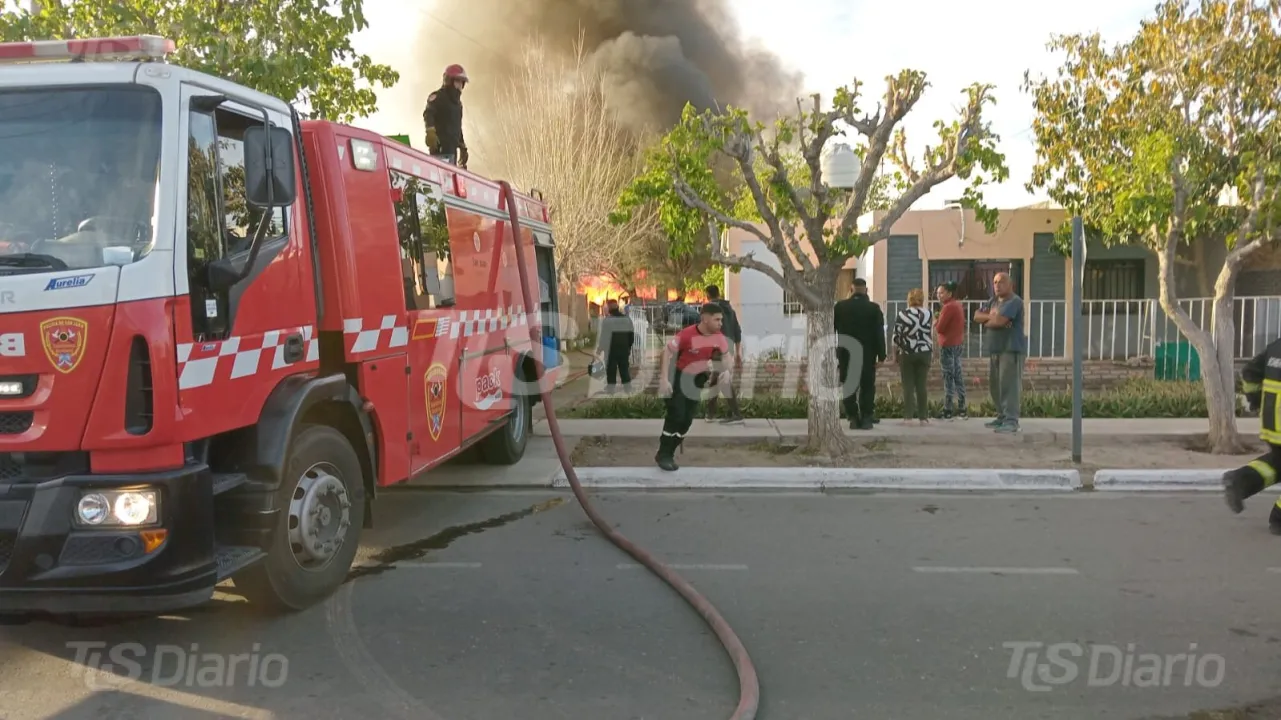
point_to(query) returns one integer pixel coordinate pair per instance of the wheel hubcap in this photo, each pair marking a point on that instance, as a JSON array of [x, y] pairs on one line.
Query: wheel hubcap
[[518, 419], [319, 515]]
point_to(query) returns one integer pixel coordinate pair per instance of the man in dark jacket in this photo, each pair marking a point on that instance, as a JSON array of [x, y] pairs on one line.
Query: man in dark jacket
[[733, 332], [444, 118], [614, 347], [858, 318]]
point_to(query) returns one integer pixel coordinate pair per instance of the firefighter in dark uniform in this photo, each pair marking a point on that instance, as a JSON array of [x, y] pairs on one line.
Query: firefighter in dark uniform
[[695, 359], [444, 118], [1261, 383]]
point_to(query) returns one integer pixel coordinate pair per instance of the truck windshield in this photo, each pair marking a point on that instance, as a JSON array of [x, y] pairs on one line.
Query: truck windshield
[[78, 170]]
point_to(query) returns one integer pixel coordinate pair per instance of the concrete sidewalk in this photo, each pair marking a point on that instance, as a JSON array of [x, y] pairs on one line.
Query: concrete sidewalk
[[1137, 430]]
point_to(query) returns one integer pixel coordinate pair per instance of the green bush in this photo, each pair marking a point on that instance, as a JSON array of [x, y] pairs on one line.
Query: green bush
[[1142, 398]]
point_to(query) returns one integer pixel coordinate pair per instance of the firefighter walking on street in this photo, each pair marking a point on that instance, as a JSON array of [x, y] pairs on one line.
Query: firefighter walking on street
[[1261, 382], [694, 359], [444, 118]]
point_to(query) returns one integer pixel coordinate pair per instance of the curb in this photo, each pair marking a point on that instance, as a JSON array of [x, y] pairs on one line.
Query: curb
[[820, 479], [1160, 480]]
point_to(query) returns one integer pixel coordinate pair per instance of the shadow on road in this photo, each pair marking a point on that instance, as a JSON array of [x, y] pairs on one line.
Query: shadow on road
[[1269, 709]]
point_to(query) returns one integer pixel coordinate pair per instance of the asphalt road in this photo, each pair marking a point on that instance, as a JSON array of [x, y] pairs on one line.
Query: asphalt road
[[480, 606]]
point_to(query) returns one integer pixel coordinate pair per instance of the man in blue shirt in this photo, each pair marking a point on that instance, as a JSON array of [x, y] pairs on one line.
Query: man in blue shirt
[[1007, 349]]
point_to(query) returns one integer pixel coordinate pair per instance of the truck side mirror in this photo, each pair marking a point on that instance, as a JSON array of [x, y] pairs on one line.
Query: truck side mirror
[[269, 179]]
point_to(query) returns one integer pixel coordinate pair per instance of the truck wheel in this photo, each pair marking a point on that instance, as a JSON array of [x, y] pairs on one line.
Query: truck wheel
[[507, 446], [322, 506]]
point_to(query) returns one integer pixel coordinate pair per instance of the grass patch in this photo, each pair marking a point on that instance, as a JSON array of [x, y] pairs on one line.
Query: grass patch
[[1138, 398]]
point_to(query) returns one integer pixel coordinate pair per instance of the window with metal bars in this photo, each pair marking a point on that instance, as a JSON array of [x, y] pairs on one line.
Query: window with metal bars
[[1106, 282], [974, 278], [791, 303]]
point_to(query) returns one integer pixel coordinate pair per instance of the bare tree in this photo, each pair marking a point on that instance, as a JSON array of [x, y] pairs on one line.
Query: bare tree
[[555, 132]]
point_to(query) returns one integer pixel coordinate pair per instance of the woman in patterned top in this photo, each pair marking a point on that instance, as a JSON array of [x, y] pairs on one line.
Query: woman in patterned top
[[913, 348]]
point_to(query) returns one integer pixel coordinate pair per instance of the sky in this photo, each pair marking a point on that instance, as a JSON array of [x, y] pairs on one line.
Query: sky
[[833, 41]]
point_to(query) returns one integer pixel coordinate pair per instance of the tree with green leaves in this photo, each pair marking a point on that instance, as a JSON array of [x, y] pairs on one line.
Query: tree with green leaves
[[811, 228], [297, 50], [1169, 139]]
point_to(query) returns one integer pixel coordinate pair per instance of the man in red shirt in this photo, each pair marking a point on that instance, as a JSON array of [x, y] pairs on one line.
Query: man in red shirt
[[694, 359], [951, 330]]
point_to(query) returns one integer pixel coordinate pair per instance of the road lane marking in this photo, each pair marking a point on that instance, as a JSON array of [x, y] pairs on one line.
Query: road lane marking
[[999, 570], [678, 566]]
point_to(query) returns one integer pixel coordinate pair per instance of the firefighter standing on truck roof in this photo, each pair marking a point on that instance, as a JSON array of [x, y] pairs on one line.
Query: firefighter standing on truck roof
[[694, 360], [1261, 381], [444, 118]]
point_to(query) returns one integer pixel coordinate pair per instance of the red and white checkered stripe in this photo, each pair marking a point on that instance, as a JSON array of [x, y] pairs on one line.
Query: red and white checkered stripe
[[390, 333], [483, 322], [152, 46], [199, 364]]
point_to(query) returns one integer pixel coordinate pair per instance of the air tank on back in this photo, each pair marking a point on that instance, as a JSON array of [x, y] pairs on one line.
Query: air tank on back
[[840, 166]]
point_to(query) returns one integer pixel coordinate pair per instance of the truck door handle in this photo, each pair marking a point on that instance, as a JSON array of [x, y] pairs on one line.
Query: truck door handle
[[293, 347]]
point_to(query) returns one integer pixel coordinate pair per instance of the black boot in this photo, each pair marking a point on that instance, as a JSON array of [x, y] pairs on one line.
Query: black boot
[[666, 455], [1274, 520], [1240, 484]]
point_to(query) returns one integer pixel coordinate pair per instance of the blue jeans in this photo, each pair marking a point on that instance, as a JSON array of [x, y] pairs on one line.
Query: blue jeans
[[953, 378]]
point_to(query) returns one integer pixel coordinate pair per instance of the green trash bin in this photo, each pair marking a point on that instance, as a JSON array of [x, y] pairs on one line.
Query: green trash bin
[[1177, 361]]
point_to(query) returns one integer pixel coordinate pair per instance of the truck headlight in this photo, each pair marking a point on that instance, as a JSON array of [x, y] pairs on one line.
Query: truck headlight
[[117, 508]]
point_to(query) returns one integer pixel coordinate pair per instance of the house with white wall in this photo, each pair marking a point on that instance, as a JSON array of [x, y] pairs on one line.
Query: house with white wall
[[773, 321]]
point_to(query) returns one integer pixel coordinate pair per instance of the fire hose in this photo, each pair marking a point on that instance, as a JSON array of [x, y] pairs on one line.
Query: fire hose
[[749, 687]]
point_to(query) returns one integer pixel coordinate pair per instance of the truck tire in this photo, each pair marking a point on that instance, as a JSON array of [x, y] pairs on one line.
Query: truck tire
[[506, 446], [321, 501]]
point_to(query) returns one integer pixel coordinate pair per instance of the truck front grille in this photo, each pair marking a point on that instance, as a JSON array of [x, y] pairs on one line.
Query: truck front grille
[[10, 468], [6, 548], [38, 467], [15, 423]]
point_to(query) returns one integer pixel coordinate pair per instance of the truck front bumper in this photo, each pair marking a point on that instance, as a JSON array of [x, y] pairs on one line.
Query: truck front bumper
[[49, 563]]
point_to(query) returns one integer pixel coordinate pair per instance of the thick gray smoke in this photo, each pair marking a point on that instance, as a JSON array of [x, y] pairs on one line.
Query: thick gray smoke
[[656, 55]]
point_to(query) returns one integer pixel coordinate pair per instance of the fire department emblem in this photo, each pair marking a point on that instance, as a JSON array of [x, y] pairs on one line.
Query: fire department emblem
[[64, 340], [436, 398]]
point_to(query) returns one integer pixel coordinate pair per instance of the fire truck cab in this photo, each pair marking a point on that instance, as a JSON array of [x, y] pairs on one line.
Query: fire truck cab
[[224, 328]]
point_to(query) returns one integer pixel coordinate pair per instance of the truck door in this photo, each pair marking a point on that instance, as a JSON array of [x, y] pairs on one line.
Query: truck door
[[235, 342], [486, 361], [435, 406], [548, 298]]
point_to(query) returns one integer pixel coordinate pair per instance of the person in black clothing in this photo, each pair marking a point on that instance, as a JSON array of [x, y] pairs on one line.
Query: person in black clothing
[[733, 332], [614, 347], [859, 318], [444, 118]]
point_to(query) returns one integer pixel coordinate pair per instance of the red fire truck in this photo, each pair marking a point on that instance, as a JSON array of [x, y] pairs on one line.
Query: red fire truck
[[224, 328]]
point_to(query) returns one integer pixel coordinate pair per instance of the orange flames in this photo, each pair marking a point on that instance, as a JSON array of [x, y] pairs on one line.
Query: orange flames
[[598, 290]]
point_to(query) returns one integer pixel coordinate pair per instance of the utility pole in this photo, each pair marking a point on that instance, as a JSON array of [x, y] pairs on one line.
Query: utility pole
[[1078, 334]]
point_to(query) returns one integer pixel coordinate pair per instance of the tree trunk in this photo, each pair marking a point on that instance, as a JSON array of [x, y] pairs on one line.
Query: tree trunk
[[826, 434], [1221, 398], [1215, 350]]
